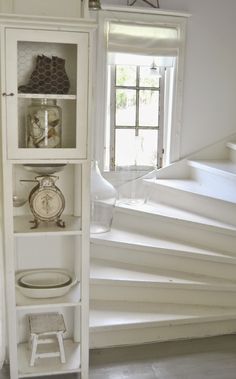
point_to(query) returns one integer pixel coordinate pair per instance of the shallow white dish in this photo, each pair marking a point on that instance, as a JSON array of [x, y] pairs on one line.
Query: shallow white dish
[[44, 279], [44, 292], [44, 169]]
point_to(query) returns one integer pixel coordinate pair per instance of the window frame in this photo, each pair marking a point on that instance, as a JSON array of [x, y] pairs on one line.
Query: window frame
[[172, 139], [113, 126]]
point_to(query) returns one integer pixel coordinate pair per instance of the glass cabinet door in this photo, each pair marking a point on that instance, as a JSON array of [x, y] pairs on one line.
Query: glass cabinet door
[[45, 94]]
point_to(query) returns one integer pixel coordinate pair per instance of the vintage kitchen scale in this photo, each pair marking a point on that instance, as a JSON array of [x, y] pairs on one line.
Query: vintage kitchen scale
[[46, 201]]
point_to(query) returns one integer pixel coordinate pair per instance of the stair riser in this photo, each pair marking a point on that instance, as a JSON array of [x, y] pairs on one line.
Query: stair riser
[[219, 181], [177, 170], [161, 226], [154, 294], [232, 155], [134, 335], [161, 258], [192, 202]]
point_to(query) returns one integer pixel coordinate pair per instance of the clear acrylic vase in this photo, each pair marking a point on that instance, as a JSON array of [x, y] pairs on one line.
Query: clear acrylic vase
[[103, 198]]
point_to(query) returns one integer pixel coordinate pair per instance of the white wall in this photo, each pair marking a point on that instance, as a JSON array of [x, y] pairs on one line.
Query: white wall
[[209, 107]]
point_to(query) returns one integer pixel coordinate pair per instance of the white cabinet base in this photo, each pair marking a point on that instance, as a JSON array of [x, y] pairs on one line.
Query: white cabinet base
[[49, 366]]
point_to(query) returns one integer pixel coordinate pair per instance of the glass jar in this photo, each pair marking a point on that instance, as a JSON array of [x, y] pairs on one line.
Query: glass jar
[[132, 190], [103, 198], [43, 124]]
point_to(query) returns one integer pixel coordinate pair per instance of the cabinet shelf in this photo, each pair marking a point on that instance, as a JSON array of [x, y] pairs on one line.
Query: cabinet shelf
[[22, 227], [49, 366], [72, 298], [46, 96]]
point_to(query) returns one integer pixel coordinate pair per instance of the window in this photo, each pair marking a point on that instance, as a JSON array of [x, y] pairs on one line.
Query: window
[[138, 115], [136, 127]]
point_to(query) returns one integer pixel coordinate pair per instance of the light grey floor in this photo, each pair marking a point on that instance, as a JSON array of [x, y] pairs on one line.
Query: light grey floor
[[194, 359]]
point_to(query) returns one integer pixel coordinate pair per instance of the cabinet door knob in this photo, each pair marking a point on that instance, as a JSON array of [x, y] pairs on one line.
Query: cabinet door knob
[[7, 94]]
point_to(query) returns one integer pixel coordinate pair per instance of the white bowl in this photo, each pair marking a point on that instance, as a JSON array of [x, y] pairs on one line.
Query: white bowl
[[44, 279], [44, 169], [46, 290]]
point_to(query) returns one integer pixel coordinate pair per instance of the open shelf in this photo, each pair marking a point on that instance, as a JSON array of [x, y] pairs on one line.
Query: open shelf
[[22, 226], [72, 298], [49, 366], [46, 96]]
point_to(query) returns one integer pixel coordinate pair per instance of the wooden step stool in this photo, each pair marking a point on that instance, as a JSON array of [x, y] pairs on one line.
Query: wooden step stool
[[45, 328]]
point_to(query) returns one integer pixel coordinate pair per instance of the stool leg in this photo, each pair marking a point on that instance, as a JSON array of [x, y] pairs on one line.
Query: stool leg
[[61, 347], [34, 349]]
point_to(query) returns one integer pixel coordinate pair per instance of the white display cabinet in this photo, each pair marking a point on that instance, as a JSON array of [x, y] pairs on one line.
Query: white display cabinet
[[22, 49], [54, 253]]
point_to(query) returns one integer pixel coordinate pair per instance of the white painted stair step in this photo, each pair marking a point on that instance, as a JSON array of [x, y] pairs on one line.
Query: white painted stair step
[[118, 271], [225, 168], [127, 247], [161, 258], [196, 188], [209, 189], [161, 221], [173, 213], [203, 200], [119, 323], [217, 177], [231, 145], [113, 314], [121, 283], [133, 240], [201, 194]]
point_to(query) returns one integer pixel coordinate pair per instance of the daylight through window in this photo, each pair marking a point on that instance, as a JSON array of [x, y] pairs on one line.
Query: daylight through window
[[136, 111]]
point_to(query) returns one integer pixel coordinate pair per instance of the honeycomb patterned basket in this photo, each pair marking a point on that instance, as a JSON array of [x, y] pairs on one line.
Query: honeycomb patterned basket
[[48, 77]]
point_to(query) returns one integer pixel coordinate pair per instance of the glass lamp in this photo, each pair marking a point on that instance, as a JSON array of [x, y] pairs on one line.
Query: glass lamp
[[155, 70], [94, 5]]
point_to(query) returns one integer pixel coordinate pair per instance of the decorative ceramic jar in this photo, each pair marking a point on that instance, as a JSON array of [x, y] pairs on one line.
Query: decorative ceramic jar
[[43, 124], [103, 198]]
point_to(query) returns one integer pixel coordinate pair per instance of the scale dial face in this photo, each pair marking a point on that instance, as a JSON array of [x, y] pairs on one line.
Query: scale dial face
[[47, 204], [46, 200]]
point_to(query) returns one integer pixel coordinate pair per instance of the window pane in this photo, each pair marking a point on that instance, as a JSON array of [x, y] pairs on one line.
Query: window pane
[[125, 107], [149, 78], [134, 150], [148, 108], [125, 75]]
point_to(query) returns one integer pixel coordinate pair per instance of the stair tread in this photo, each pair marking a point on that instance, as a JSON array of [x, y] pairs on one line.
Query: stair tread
[[153, 208], [231, 145], [223, 166], [195, 187], [123, 272], [131, 240], [105, 314]]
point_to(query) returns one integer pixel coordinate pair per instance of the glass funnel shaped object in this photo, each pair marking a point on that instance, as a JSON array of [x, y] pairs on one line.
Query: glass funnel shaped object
[[103, 198]]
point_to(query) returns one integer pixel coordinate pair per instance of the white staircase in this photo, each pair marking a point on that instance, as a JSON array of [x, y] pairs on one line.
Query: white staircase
[[167, 269]]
